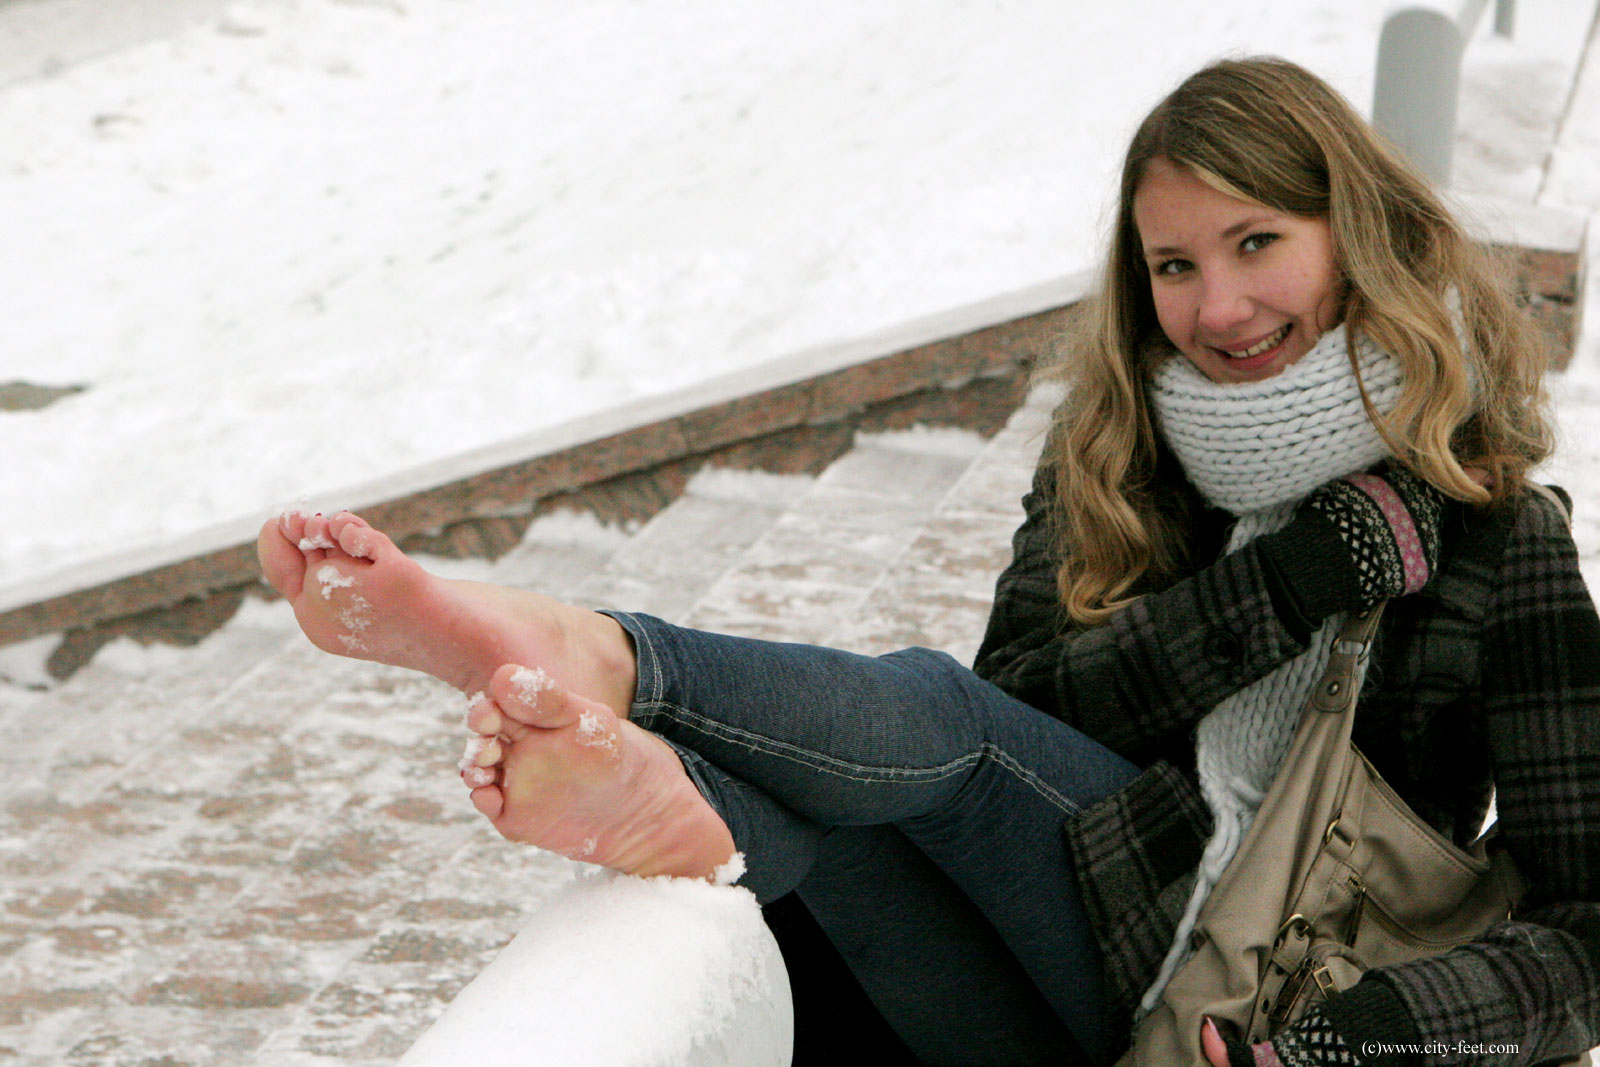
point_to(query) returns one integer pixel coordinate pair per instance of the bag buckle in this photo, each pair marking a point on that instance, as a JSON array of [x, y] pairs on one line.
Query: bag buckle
[[1295, 924]]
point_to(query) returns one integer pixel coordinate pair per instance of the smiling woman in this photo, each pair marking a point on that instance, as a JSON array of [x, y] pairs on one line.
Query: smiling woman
[[1240, 289], [1285, 299], [1294, 359]]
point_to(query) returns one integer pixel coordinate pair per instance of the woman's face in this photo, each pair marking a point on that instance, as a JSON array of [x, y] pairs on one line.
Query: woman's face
[[1240, 289]]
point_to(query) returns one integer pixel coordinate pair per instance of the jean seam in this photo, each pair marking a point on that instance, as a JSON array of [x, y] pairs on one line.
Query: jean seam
[[644, 656], [694, 766], [843, 768]]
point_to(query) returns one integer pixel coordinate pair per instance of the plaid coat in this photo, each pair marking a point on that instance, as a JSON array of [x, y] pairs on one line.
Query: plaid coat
[[1485, 684]]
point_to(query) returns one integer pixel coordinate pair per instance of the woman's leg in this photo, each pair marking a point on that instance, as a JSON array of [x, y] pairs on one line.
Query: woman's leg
[[979, 782], [927, 959]]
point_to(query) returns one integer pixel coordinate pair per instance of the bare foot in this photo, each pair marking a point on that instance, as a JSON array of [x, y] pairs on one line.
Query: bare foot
[[574, 778], [356, 594]]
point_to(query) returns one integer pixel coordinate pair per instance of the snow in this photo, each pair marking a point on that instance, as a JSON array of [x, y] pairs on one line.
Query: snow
[[329, 577], [528, 682], [678, 972], [594, 733], [479, 752], [294, 245]]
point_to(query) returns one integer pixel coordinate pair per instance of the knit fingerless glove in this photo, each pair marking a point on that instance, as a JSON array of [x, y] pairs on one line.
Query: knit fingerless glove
[[1357, 541], [1311, 1042]]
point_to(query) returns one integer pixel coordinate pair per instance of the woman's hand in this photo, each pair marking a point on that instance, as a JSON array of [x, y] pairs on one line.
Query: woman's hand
[[1220, 1052], [1312, 1040], [1212, 1045], [1389, 520], [1358, 541]]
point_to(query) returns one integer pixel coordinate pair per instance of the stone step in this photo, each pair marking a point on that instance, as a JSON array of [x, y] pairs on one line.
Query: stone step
[[897, 543], [248, 851], [670, 564], [938, 593]]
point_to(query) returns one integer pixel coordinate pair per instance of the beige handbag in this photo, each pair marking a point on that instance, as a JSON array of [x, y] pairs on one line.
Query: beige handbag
[[1336, 875]]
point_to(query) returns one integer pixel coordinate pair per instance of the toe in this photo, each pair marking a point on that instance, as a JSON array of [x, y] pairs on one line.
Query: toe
[[527, 695], [292, 523], [489, 800], [483, 716], [478, 777], [314, 539], [354, 536], [283, 565], [359, 538], [481, 752]]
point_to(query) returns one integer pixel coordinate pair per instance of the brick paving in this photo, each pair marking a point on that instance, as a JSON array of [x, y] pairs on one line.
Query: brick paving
[[250, 852]]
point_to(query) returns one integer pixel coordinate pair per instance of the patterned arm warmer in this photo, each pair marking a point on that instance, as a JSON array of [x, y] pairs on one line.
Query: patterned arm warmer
[[1358, 541], [1311, 1042]]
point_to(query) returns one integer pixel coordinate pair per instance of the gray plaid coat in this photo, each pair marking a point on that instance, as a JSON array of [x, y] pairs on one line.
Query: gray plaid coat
[[1486, 683]]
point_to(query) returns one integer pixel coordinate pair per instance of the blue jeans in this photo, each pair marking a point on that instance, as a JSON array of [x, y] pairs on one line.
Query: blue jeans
[[918, 810]]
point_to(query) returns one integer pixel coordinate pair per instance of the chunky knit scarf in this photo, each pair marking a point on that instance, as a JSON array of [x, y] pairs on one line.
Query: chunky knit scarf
[[1256, 450]]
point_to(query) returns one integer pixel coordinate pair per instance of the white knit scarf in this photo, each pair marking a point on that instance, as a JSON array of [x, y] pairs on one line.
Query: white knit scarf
[[1257, 449]]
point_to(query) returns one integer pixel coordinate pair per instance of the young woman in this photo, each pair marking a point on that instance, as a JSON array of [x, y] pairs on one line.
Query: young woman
[[1299, 393]]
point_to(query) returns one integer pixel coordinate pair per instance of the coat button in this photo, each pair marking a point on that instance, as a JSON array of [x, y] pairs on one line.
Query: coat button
[[1223, 647]]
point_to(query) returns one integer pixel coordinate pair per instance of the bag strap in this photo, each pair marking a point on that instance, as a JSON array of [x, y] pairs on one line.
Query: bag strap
[[1333, 692]]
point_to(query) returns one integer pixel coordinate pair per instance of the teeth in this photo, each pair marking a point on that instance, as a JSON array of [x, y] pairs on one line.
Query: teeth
[[1262, 345]]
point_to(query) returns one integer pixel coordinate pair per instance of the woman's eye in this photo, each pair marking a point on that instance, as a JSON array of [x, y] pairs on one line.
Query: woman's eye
[[1257, 241], [1171, 266]]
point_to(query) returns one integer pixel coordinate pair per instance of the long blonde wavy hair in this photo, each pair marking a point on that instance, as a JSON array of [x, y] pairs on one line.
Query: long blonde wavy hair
[[1267, 131]]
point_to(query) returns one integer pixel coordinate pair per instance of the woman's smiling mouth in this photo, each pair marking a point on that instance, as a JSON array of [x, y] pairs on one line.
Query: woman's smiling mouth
[[1266, 344]]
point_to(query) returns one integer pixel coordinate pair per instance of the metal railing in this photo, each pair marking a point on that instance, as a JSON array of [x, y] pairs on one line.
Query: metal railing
[[1419, 78]]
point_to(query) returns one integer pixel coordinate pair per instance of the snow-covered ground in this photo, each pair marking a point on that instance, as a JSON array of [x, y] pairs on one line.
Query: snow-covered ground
[[292, 245]]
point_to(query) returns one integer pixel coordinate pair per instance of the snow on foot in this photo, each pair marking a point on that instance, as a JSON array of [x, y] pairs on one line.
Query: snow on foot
[[332, 570], [356, 594], [576, 779]]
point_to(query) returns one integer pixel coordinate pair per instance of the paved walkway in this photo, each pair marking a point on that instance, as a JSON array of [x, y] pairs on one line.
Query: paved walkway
[[250, 852], [253, 852]]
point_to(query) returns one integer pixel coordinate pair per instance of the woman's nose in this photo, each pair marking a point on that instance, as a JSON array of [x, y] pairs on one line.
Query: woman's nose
[[1224, 302]]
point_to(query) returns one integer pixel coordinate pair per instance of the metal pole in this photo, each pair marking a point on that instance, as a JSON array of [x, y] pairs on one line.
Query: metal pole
[[1505, 14], [1417, 85]]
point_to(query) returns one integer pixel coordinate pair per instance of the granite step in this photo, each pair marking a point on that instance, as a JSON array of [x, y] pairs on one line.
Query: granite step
[[898, 543], [248, 851]]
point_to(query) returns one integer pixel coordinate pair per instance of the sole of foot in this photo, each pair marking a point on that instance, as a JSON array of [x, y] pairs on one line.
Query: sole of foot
[[565, 773], [355, 593]]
